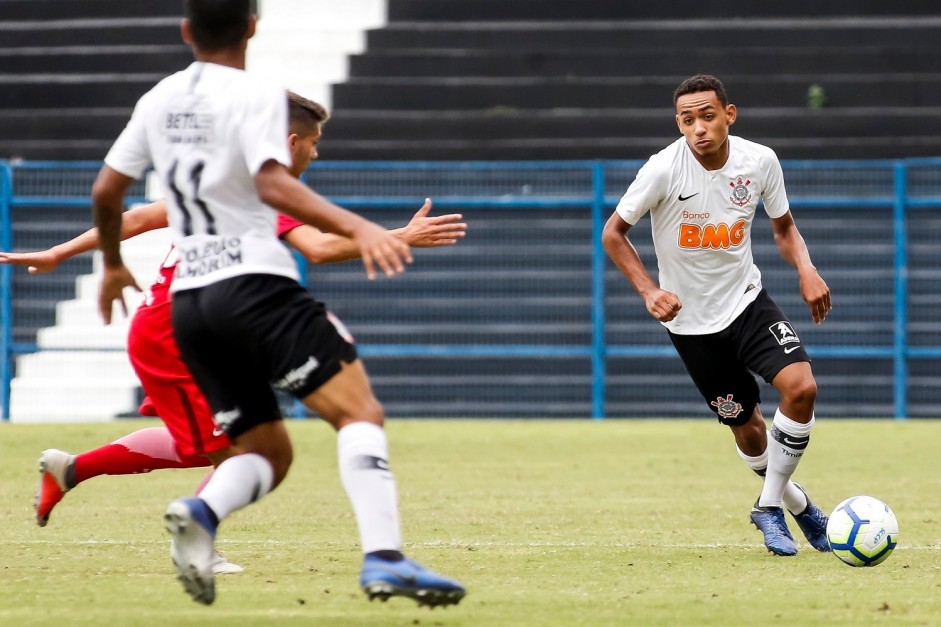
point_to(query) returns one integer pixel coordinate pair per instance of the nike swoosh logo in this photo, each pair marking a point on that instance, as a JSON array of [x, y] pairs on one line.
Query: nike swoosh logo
[[788, 351], [681, 197], [217, 432]]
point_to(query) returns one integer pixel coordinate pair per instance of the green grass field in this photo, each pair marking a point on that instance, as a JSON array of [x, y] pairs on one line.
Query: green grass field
[[546, 523]]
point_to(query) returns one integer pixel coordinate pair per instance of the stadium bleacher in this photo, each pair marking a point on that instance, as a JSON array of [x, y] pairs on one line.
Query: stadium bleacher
[[538, 79], [526, 79]]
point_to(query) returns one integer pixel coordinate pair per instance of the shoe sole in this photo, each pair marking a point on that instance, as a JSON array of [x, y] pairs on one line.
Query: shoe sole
[[197, 584], [431, 597]]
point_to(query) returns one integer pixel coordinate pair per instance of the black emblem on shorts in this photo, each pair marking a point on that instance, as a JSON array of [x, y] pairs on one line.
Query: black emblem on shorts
[[783, 332], [727, 407]]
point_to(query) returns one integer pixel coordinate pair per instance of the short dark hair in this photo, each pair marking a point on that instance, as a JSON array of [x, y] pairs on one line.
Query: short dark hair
[[702, 82], [218, 24], [304, 115]]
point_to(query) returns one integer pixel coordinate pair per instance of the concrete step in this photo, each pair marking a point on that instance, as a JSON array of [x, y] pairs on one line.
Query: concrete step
[[500, 95], [93, 31], [67, 10], [487, 10], [654, 61], [535, 35], [85, 59], [92, 337], [71, 400], [64, 365]]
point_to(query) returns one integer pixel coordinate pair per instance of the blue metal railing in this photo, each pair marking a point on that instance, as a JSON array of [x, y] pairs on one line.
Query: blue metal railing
[[590, 189]]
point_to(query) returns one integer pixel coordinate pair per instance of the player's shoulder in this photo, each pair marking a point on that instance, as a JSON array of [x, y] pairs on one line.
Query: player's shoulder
[[753, 150], [667, 159]]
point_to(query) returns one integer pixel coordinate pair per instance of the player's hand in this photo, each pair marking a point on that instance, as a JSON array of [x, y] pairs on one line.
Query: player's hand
[[663, 305], [113, 282], [36, 263], [427, 232], [816, 294], [380, 248]]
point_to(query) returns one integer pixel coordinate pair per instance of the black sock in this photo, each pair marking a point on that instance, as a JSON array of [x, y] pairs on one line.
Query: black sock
[[389, 556]]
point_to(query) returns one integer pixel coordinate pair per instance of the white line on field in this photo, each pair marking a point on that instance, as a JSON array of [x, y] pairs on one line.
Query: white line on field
[[449, 544]]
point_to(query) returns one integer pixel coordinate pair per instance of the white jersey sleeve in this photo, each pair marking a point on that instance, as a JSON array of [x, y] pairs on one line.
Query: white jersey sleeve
[[130, 154], [647, 191], [263, 131], [773, 195]]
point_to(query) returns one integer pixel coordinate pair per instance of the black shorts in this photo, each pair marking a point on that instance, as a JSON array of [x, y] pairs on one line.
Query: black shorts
[[760, 340], [242, 335]]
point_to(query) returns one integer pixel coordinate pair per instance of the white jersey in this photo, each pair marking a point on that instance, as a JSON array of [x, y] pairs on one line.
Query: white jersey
[[701, 223], [208, 130]]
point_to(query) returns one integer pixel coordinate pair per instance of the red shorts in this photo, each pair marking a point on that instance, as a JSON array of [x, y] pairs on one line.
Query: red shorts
[[171, 392]]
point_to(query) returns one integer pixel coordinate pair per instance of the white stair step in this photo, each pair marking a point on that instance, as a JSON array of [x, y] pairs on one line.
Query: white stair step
[[100, 336], [75, 400], [323, 13], [63, 365]]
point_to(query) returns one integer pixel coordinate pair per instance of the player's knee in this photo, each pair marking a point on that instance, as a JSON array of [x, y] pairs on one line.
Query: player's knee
[[802, 393]]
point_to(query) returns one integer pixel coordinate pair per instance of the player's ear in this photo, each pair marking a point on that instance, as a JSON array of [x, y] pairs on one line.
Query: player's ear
[[292, 142], [186, 32], [252, 21], [731, 113]]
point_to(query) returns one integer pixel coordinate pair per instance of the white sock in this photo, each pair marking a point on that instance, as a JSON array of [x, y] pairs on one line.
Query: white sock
[[794, 500], [237, 482], [786, 443], [363, 453]]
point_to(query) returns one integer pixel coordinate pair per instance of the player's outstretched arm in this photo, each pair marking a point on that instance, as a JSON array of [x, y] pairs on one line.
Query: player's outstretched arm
[[378, 248], [107, 202], [792, 247], [422, 231], [136, 221]]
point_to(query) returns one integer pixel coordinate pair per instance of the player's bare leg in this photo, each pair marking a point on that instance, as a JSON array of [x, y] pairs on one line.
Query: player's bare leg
[[142, 451], [347, 402], [264, 457]]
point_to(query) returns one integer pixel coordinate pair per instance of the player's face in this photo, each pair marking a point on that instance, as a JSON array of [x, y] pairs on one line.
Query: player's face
[[705, 123], [303, 151]]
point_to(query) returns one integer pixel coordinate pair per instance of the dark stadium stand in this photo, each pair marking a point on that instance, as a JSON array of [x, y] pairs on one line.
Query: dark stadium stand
[[70, 72], [540, 79], [531, 79]]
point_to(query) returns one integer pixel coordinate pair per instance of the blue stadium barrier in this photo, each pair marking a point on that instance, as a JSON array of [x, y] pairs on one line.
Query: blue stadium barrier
[[873, 221]]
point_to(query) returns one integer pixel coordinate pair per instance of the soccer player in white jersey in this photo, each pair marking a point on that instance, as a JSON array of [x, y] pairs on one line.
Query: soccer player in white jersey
[[215, 136], [702, 192]]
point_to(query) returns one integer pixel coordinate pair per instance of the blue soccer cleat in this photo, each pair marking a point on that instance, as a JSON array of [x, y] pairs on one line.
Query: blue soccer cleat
[[813, 522], [778, 538], [188, 521], [381, 579]]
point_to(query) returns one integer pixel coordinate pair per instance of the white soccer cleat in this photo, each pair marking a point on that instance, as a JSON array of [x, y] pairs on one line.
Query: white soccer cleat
[[192, 548]]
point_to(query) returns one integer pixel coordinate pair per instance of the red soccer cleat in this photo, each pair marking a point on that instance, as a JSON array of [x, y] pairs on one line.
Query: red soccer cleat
[[53, 468]]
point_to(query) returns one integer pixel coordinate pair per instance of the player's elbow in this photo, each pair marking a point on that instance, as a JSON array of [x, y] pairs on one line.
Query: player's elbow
[[271, 185], [613, 233], [104, 196]]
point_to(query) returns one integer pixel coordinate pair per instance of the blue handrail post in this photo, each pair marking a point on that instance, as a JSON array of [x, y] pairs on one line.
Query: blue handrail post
[[598, 349], [6, 290], [900, 334]]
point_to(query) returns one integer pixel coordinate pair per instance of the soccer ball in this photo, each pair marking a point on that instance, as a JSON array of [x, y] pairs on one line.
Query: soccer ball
[[862, 531]]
